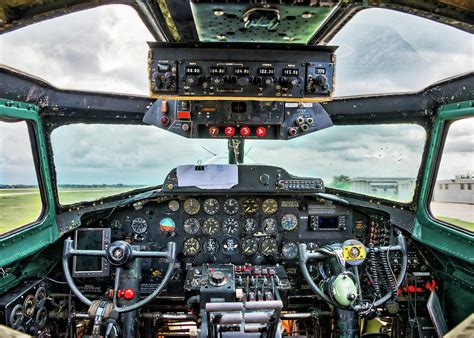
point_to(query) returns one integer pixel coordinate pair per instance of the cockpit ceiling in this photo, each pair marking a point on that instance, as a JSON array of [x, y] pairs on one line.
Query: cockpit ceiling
[[283, 21]]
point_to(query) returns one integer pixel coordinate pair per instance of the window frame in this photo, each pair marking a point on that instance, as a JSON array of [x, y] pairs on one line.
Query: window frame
[[29, 238], [448, 238]]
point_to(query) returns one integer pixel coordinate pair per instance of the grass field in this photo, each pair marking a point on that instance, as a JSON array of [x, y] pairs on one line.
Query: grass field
[[462, 224], [22, 206]]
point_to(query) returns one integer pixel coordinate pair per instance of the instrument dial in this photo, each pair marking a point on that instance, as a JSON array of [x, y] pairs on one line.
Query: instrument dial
[[289, 222], [249, 246], [191, 206], [191, 246], [230, 246], [269, 225], [173, 205], [269, 247], [250, 226], [211, 246], [269, 206], [211, 226], [139, 225], [231, 226], [191, 226], [211, 206], [289, 250], [250, 205], [231, 206]]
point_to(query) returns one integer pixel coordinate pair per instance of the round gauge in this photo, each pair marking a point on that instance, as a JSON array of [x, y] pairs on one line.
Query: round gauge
[[289, 222], [173, 205], [249, 246], [191, 246], [269, 225], [231, 206], [191, 226], [210, 226], [211, 246], [211, 206], [269, 247], [231, 226], [313, 271], [311, 246], [250, 205], [289, 250], [250, 226], [139, 225], [269, 206], [191, 206], [230, 246]]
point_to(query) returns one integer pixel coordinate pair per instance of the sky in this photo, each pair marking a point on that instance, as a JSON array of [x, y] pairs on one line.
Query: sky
[[104, 49]]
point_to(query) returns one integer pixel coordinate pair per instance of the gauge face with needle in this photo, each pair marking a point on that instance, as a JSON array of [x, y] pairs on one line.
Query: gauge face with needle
[[269, 206], [250, 205], [191, 206], [249, 246], [191, 246]]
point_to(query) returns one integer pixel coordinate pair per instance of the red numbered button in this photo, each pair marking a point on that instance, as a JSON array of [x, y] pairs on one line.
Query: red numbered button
[[245, 131], [213, 131], [229, 131], [261, 131]]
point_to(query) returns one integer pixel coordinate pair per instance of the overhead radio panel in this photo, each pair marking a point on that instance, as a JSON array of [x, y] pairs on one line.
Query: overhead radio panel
[[242, 71]]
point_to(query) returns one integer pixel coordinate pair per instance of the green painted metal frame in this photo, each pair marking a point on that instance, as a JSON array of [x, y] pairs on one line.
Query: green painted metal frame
[[435, 233], [33, 237]]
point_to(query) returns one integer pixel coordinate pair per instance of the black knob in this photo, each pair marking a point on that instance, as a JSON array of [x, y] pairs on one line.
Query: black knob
[[267, 81], [217, 81], [191, 81], [289, 81], [322, 82], [243, 81]]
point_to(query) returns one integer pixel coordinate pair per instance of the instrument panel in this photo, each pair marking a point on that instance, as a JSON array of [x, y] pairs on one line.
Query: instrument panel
[[261, 229], [241, 72]]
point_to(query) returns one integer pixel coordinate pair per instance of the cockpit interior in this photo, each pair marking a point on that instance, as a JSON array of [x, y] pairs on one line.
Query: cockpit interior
[[241, 193]]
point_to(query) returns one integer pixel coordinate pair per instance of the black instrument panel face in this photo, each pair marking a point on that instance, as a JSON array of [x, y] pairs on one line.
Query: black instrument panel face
[[213, 71], [262, 229]]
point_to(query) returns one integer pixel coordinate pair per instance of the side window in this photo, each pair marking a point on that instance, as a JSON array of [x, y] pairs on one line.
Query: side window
[[452, 199], [20, 198]]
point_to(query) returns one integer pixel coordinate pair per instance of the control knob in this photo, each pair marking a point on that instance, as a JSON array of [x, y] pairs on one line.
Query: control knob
[[319, 83], [243, 81], [218, 278], [289, 82], [217, 81], [191, 81]]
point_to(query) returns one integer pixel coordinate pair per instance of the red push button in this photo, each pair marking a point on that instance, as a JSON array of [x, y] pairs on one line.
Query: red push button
[[164, 120], [245, 131], [129, 294], [213, 131], [164, 107], [229, 131], [261, 131]]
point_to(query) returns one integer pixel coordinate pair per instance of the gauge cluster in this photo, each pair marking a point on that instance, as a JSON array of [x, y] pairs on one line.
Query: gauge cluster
[[259, 229]]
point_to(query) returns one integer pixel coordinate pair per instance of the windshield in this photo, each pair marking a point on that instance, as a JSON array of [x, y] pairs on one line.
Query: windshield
[[100, 160]]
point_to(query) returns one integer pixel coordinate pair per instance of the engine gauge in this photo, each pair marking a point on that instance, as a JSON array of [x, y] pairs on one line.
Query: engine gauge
[[139, 225], [210, 226], [231, 226], [250, 205], [211, 246], [211, 206], [269, 206], [173, 205], [250, 226], [230, 246], [249, 246], [269, 225], [191, 226], [191, 206], [29, 306], [191, 246], [289, 250], [289, 222], [231, 206], [269, 247]]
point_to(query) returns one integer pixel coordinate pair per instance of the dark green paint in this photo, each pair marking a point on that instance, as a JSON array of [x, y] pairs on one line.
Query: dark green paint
[[293, 27], [29, 239], [428, 230]]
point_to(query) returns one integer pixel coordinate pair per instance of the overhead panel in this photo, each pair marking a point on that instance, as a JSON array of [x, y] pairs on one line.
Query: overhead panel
[[269, 23]]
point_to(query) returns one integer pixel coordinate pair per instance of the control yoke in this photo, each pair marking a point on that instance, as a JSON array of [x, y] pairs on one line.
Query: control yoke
[[118, 254]]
